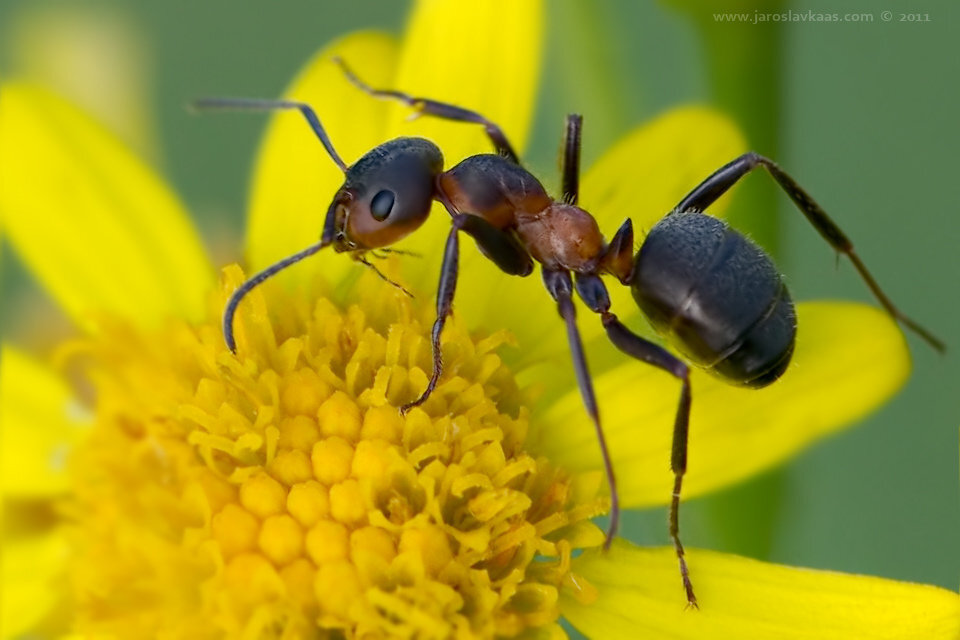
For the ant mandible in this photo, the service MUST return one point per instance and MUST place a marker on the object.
(711, 292)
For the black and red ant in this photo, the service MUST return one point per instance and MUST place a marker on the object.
(711, 292)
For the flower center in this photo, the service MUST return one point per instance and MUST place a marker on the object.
(279, 493)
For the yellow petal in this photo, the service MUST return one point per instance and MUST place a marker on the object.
(638, 595)
(649, 171)
(294, 180)
(483, 56)
(27, 573)
(849, 359)
(37, 427)
(95, 225)
(94, 57)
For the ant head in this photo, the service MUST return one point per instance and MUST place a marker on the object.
(387, 194)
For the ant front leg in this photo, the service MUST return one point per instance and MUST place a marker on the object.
(437, 109)
(445, 291)
(593, 292)
(726, 176)
(559, 285)
(501, 247)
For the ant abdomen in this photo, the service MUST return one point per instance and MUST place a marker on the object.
(717, 297)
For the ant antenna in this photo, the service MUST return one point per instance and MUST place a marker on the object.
(256, 104)
(268, 105)
(230, 310)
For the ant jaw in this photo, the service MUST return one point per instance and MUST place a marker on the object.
(342, 244)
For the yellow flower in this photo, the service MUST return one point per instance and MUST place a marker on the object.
(278, 493)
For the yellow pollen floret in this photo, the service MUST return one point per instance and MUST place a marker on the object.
(308, 502)
(281, 539)
(235, 530)
(332, 458)
(327, 540)
(279, 493)
(262, 495)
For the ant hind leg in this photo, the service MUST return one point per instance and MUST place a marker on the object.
(593, 292)
(707, 192)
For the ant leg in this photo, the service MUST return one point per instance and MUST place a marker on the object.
(499, 246)
(502, 247)
(571, 159)
(437, 109)
(726, 176)
(617, 256)
(635, 346)
(445, 291)
(594, 294)
(560, 287)
(362, 260)
(383, 251)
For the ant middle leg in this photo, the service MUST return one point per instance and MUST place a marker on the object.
(438, 109)
(571, 159)
(707, 192)
(593, 292)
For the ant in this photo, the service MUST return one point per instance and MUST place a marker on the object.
(711, 292)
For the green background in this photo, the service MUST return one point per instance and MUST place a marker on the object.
(863, 115)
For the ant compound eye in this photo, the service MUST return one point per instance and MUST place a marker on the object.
(382, 204)
(393, 187)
